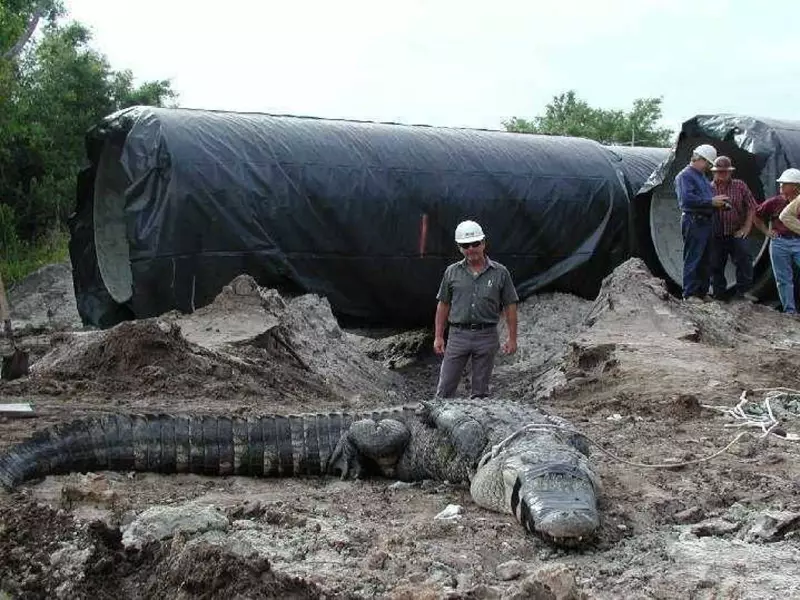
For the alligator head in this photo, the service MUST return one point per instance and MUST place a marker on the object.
(550, 490)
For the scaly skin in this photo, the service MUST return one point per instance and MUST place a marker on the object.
(541, 476)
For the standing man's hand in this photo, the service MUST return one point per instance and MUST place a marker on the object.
(719, 201)
(771, 234)
(742, 233)
(438, 345)
(510, 347)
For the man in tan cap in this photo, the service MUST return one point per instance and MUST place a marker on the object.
(730, 230)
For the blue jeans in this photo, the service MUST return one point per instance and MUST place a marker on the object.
(736, 248)
(784, 252)
(696, 231)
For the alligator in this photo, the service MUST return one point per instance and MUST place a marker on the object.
(515, 459)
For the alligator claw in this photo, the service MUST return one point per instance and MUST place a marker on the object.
(345, 460)
(425, 412)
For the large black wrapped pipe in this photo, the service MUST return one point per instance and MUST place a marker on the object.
(182, 201)
(760, 150)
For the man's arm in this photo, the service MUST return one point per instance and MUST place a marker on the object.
(788, 215)
(442, 312)
(759, 224)
(510, 313)
(764, 211)
(751, 212)
(693, 196)
(509, 299)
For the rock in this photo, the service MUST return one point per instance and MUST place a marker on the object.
(410, 591)
(772, 526)
(451, 511)
(68, 564)
(483, 592)
(714, 527)
(376, 560)
(161, 522)
(244, 524)
(441, 577)
(440, 574)
(692, 514)
(551, 582)
(401, 485)
(464, 580)
(512, 569)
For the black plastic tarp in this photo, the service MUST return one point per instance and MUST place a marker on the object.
(773, 144)
(761, 149)
(175, 203)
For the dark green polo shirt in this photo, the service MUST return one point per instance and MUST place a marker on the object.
(476, 298)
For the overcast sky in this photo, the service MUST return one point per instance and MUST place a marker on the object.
(457, 63)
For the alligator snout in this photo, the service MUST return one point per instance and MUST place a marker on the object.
(569, 525)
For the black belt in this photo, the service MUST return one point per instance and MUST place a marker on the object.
(473, 326)
(697, 213)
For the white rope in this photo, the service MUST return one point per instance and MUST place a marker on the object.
(768, 422)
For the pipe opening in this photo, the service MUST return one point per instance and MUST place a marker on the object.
(665, 215)
(111, 240)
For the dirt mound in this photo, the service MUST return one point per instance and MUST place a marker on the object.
(152, 357)
(208, 571)
(128, 349)
(245, 316)
(250, 342)
(44, 300)
(45, 553)
(547, 324)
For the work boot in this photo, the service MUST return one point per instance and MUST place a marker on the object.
(693, 300)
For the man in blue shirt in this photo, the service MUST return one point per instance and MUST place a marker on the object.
(697, 203)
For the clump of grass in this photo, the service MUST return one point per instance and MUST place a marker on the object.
(19, 259)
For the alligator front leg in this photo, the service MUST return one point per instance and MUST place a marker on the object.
(466, 434)
(370, 448)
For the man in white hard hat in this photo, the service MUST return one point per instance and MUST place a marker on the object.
(731, 228)
(784, 247)
(474, 293)
(697, 203)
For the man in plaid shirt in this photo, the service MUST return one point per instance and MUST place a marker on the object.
(730, 230)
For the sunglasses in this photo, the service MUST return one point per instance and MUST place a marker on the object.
(470, 245)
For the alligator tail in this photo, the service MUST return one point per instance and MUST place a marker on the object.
(266, 446)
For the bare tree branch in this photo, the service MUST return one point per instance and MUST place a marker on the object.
(14, 51)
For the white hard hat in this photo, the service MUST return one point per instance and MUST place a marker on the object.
(707, 151)
(790, 176)
(468, 231)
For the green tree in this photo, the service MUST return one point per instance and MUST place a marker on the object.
(568, 115)
(53, 87)
(18, 21)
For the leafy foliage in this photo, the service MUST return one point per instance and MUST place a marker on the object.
(568, 115)
(50, 94)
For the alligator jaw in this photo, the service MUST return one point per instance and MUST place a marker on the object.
(553, 498)
(559, 504)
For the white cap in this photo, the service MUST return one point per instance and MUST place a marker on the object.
(707, 151)
(468, 231)
(790, 176)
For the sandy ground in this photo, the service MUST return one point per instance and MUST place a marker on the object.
(637, 371)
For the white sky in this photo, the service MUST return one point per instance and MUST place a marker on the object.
(457, 63)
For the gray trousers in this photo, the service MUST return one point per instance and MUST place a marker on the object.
(463, 344)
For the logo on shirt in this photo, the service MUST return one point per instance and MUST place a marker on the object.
(489, 284)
